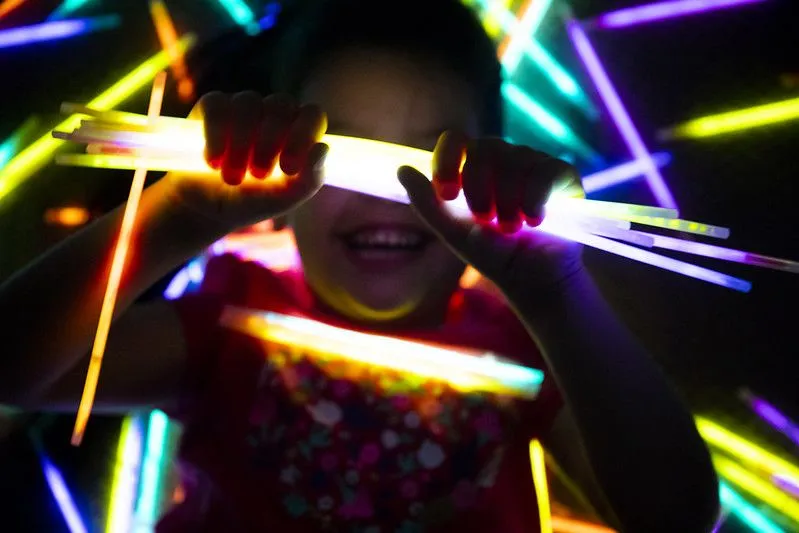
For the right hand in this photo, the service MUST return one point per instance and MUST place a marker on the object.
(247, 137)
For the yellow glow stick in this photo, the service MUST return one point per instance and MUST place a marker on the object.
(735, 120)
(568, 525)
(741, 448)
(757, 487)
(168, 36)
(464, 370)
(125, 476)
(35, 156)
(538, 465)
(686, 226)
(114, 278)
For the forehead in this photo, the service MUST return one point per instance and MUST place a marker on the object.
(389, 97)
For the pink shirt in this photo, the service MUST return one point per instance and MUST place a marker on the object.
(276, 441)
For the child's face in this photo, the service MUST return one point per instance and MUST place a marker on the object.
(371, 259)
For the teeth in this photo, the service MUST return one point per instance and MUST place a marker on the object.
(386, 238)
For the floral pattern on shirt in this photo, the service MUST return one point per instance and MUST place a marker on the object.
(361, 449)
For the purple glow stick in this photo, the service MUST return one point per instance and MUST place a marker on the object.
(786, 484)
(644, 256)
(664, 10)
(62, 497)
(619, 114)
(51, 31)
(772, 416)
(620, 173)
(725, 254)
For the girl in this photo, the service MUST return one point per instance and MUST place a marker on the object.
(273, 447)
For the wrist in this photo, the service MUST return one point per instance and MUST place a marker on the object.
(184, 217)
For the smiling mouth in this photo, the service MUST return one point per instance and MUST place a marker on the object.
(385, 245)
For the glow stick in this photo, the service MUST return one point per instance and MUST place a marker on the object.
(511, 48)
(620, 173)
(687, 226)
(619, 114)
(55, 481)
(464, 370)
(27, 162)
(659, 11)
(757, 487)
(548, 122)
(647, 257)
(552, 70)
(147, 505)
(745, 511)
(734, 121)
(67, 216)
(114, 278)
(15, 140)
(787, 485)
(741, 448)
(771, 414)
(568, 525)
(66, 8)
(168, 36)
(51, 31)
(541, 487)
(8, 6)
(242, 15)
(126, 476)
(726, 254)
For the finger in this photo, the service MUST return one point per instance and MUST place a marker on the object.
(214, 108)
(507, 188)
(476, 182)
(306, 130)
(429, 208)
(279, 112)
(447, 159)
(309, 180)
(539, 174)
(245, 116)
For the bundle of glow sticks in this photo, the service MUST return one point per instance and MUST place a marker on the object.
(463, 370)
(119, 140)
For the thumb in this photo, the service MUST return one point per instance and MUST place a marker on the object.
(427, 205)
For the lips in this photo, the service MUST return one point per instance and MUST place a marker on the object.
(383, 246)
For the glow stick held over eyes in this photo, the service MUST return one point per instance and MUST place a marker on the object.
(115, 278)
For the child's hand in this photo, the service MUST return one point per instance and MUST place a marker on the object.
(247, 136)
(511, 183)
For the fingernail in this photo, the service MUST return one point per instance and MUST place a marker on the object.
(484, 218)
(215, 162)
(510, 227)
(534, 221)
(448, 191)
(321, 159)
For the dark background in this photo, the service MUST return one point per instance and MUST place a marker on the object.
(710, 340)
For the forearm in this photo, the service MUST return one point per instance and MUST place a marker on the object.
(640, 439)
(51, 308)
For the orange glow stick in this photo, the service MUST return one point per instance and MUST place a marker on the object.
(9, 5)
(503, 46)
(165, 28)
(114, 277)
(538, 465)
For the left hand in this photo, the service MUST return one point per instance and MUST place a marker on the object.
(506, 187)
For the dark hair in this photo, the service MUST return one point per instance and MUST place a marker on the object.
(445, 32)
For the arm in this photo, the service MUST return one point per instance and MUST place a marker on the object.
(640, 440)
(52, 306)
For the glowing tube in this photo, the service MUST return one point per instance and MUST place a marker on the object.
(511, 49)
(619, 114)
(10, 146)
(569, 525)
(658, 11)
(741, 448)
(552, 125)
(757, 487)
(727, 254)
(687, 226)
(734, 121)
(771, 414)
(177, 287)
(8, 6)
(72, 216)
(114, 278)
(63, 498)
(66, 8)
(464, 370)
(147, 505)
(125, 477)
(51, 31)
(787, 485)
(745, 511)
(37, 154)
(168, 36)
(620, 173)
(541, 487)
(242, 15)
